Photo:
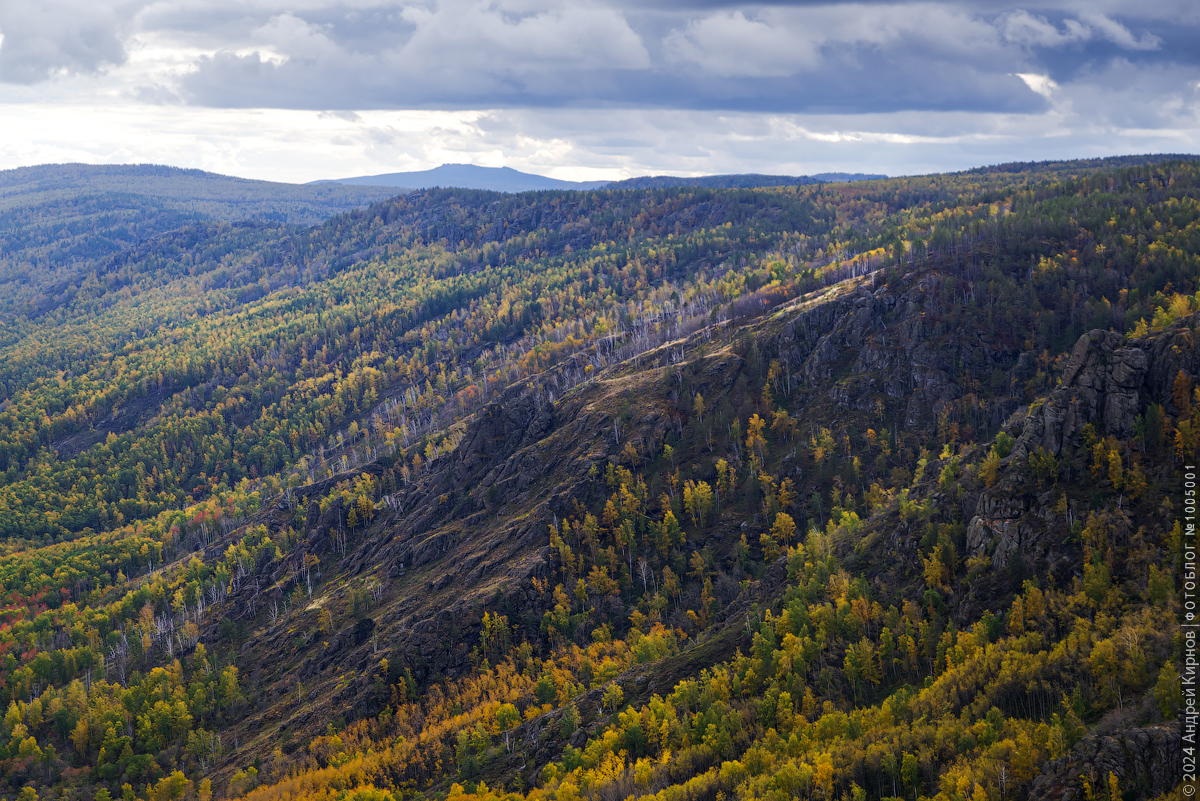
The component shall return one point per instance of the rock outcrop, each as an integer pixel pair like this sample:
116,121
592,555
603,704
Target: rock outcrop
1108,382
867,345
1145,761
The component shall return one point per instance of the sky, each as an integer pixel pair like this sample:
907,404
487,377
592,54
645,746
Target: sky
299,90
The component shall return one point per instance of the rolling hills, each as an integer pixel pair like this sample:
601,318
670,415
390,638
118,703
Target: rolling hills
740,180
61,222
506,179
861,490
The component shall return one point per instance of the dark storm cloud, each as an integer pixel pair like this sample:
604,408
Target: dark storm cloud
781,57
874,82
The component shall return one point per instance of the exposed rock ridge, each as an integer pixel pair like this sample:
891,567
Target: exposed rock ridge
867,344
1108,381
1145,761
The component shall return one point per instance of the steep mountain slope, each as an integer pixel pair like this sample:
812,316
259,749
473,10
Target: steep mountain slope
816,491
448,556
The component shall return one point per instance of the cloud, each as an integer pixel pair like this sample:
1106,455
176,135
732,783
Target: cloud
1038,83
53,38
514,53
785,41
453,53
852,58
1119,35
770,57
294,38
731,45
1031,30
521,37
348,116
1118,111
595,88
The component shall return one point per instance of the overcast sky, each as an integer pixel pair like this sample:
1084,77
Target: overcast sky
295,90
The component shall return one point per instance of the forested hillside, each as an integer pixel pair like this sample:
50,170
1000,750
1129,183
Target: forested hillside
738,181
856,490
64,223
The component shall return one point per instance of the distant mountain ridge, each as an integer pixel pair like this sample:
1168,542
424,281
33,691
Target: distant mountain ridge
506,179
739,180
194,192
467,176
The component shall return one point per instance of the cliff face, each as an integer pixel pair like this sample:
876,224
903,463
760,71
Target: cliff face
1146,761
887,343
1108,382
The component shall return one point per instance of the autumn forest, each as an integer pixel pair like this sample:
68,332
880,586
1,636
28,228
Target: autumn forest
861,490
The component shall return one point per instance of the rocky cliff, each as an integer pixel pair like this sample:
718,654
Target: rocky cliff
1107,383
1147,763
